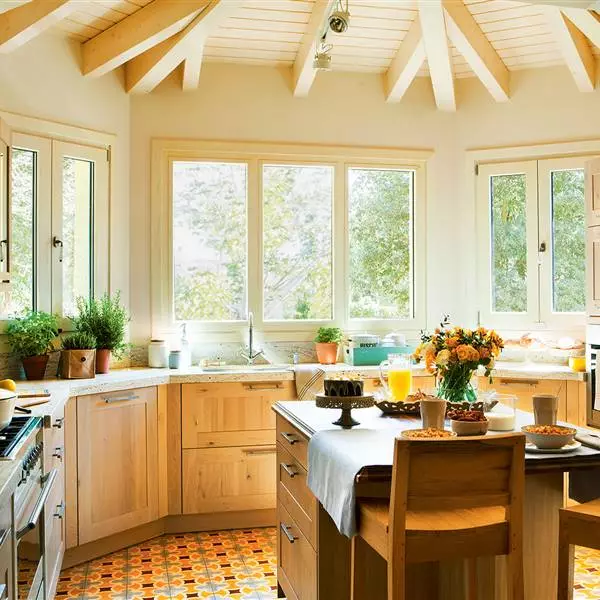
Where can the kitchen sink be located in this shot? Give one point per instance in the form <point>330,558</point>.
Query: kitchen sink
<point>248,368</point>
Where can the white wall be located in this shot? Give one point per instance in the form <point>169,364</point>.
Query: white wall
<point>42,79</point>
<point>255,104</point>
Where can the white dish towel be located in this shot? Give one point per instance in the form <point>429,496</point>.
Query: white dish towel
<point>309,381</point>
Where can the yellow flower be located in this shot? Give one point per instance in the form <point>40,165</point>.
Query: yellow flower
<point>442,358</point>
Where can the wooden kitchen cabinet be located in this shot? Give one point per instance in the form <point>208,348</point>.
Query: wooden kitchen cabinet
<point>117,462</point>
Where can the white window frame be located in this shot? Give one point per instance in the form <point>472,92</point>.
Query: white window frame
<point>255,154</point>
<point>50,140</point>
<point>545,157</point>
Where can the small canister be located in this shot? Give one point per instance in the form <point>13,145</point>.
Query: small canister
<point>175,359</point>
<point>158,354</point>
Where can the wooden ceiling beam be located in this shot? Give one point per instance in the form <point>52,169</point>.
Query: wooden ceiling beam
<point>406,64</point>
<point>137,33</point>
<point>145,72</point>
<point>303,73</point>
<point>471,42</point>
<point>587,21</point>
<point>435,37</point>
<point>21,24</point>
<point>575,50</point>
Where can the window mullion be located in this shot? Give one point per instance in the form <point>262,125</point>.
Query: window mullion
<point>57,229</point>
<point>340,245</point>
<point>255,241</point>
<point>42,222</point>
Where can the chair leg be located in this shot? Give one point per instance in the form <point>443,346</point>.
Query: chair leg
<point>471,578</point>
<point>516,579</point>
<point>566,560</point>
<point>368,580</point>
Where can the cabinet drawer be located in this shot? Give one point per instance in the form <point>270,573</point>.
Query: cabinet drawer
<point>294,494</point>
<point>292,441</point>
<point>296,560</point>
<point>230,414</point>
<point>229,479</point>
<point>55,529</point>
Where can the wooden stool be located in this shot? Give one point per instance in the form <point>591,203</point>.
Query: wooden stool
<point>579,526</point>
<point>451,498</point>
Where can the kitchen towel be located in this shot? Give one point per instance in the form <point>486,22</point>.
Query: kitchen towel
<point>334,459</point>
<point>309,381</point>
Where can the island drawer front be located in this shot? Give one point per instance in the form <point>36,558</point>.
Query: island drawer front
<point>296,559</point>
<point>292,441</point>
<point>217,480</point>
<point>294,494</point>
<point>230,414</point>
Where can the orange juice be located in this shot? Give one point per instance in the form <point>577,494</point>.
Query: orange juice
<point>400,381</point>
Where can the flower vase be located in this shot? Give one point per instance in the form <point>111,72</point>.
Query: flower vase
<point>456,391</point>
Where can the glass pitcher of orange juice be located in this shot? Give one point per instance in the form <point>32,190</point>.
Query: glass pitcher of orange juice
<point>399,379</point>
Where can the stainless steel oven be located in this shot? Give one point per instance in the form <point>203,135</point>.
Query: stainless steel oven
<point>592,356</point>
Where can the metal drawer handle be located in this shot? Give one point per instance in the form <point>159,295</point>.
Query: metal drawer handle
<point>289,438</point>
<point>288,469</point>
<point>288,534</point>
<point>3,592</point>
<point>128,397</point>
<point>58,453</point>
<point>58,423</point>
<point>276,385</point>
<point>265,450</point>
<point>518,381</point>
<point>3,535</point>
<point>39,505</point>
<point>60,510</point>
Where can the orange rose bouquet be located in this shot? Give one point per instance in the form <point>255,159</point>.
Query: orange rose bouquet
<point>453,354</point>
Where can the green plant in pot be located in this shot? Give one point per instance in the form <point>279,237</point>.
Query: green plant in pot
<point>106,319</point>
<point>30,338</point>
<point>78,356</point>
<point>327,344</point>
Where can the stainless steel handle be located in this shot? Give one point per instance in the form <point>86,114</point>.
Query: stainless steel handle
<point>3,592</point>
<point>517,381</point>
<point>289,438</point>
<point>289,471</point>
<point>58,453</point>
<point>265,450</point>
<point>3,535</point>
<point>39,505</point>
<point>288,534</point>
<point>276,385</point>
<point>58,423</point>
<point>60,510</point>
<point>127,398</point>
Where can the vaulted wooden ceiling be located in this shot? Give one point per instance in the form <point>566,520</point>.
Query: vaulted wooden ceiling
<point>402,39</point>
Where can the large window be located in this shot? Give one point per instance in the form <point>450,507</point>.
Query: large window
<point>57,191</point>
<point>532,250</point>
<point>299,239</point>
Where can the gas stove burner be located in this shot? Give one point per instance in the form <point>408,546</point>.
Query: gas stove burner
<point>12,434</point>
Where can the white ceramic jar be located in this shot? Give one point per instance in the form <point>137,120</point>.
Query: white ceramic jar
<point>158,354</point>
<point>8,400</point>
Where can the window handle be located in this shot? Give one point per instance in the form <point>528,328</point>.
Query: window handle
<point>3,245</point>
<point>58,244</point>
<point>542,247</point>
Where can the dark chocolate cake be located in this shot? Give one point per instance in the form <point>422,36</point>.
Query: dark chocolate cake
<point>343,388</point>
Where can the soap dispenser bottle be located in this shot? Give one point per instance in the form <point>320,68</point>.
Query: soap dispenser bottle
<point>186,352</point>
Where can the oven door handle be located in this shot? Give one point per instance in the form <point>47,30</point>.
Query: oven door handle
<point>39,505</point>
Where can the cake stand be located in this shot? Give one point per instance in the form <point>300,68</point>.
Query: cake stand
<point>346,403</point>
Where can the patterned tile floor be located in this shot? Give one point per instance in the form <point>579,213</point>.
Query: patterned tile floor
<point>237,565</point>
<point>215,565</point>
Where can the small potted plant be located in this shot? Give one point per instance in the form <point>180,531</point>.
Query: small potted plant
<point>327,343</point>
<point>30,338</point>
<point>106,320</point>
<point>78,356</point>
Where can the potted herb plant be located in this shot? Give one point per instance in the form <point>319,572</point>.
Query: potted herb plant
<point>78,356</point>
<point>106,319</point>
<point>327,343</point>
<point>30,338</point>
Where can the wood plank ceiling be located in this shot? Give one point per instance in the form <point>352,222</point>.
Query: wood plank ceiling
<point>441,39</point>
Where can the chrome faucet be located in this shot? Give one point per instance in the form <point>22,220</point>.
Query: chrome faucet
<point>248,353</point>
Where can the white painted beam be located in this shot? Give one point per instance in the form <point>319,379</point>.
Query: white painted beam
<point>190,79</point>
<point>146,71</point>
<point>471,42</point>
<point>587,22</point>
<point>435,37</point>
<point>406,64</point>
<point>140,31</point>
<point>303,73</point>
<point>575,50</point>
<point>21,24</point>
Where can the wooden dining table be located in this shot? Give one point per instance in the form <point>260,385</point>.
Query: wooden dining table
<point>546,491</point>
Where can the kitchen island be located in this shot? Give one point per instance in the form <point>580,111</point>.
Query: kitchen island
<point>314,558</point>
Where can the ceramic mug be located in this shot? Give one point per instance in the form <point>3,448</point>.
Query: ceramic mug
<point>433,412</point>
<point>545,409</point>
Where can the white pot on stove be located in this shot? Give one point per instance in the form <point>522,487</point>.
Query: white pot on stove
<point>8,400</point>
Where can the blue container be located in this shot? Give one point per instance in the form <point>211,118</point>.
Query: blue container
<point>363,357</point>
<point>174,359</point>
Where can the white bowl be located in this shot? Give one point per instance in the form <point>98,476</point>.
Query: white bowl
<point>549,441</point>
<point>8,400</point>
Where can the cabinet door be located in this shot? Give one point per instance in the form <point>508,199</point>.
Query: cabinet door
<point>55,533</point>
<point>592,192</point>
<point>593,270</point>
<point>117,450</point>
<point>229,479</point>
<point>231,414</point>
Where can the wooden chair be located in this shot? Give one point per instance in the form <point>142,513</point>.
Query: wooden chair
<point>451,498</point>
<point>578,526</point>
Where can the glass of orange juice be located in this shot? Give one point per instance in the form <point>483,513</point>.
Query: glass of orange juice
<point>399,378</point>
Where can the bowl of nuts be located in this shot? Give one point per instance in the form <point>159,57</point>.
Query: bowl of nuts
<point>549,437</point>
<point>468,422</point>
<point>430,433</point>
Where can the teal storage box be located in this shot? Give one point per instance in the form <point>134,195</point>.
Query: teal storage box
<point>368,357</point>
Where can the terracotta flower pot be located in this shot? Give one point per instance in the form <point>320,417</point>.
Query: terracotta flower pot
<point>35,366</point>
<point>102,360</point>
<point>327,353</point>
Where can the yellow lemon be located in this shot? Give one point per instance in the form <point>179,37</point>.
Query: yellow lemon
<point>8,384</point>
